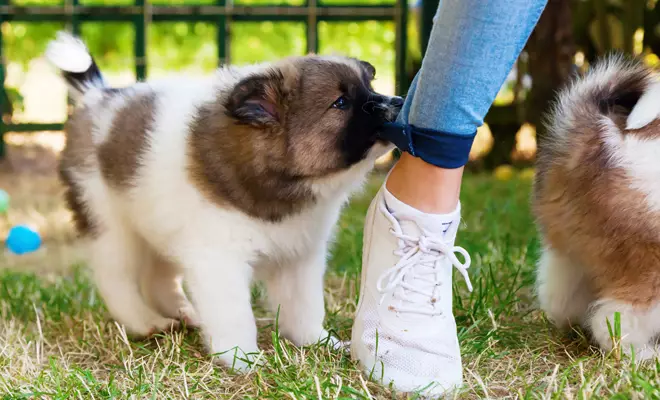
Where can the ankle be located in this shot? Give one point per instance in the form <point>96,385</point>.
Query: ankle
<point>425,187</point>
<point>415,223</point>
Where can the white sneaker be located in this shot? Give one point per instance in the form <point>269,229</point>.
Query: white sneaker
<point>404,331</point>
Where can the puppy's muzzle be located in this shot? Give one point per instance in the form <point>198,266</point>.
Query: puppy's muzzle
<point>393,108</point>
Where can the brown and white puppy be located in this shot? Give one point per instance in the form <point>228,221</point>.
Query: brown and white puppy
<point>215,181</point>
<point>597,203</point>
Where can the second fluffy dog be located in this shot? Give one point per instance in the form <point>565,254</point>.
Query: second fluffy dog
<point>597,202</point>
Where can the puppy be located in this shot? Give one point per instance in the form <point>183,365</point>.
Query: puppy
<point>597,202</point>
<point>217,181</point>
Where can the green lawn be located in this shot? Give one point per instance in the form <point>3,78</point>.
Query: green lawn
<point>57,342</point>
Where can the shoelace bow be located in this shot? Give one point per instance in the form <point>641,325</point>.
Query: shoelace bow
<point>417,268</point>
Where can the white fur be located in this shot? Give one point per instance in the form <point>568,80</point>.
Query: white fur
<point>647,108</point>
<point>561,289</point>
<point>639,156</point>
<point>165,229</point>
<point>68,53</point>
<point>565,298</point>
<point>639,327</point>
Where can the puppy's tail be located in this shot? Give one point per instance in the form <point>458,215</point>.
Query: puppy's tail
<point>606,97</point>
<point>70,55</point>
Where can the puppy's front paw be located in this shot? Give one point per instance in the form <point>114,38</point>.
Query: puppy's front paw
<point>333,341</point>
<point>152,327</point>
<point>189,317</point>
<point>239,361</point>
<point>318,337</point>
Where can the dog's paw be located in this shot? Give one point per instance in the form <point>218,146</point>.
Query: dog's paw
<point>330,340</point>
<point>188,316</point>
<point>239,362</point>
<point>147,329</point>
<point>166,326</point>
<point>343,345</point>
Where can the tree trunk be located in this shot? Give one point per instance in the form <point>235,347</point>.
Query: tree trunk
<point>551,50</point>
<point>651,21</point>
<point>633,19</point>
<point>503,123</point>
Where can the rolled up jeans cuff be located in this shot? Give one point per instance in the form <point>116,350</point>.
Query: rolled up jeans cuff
<point>442,149</point>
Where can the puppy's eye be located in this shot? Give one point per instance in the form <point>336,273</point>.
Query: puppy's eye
<point>341,103</point>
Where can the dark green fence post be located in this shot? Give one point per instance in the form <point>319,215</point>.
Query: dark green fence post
<point>140,46</point>
<point>3,94</point>
<point>74,20</point>
<point>73,25</point>
<point>401,19</point>
<point>312,25</point>
<point>223,35</point>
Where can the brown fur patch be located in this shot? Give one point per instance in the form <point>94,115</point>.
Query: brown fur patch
<point>650,131</point>
<point>319,84</point>
<point>78,155</point>
<point>243,167</point>
<point>119,155</point>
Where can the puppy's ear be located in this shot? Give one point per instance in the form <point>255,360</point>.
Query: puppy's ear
<point>257,100</point>
<point>371,70</point>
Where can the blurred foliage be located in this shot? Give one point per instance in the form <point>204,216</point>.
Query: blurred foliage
<point>177,45</point>
<point>589,28</point>
<point>266,41</point>
<point>372,41</point>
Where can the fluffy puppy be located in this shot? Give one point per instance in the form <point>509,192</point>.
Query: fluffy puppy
<point>217,181</point>
<point>597,203</point>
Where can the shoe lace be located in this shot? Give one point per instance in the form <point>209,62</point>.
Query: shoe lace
<point>417,272</point>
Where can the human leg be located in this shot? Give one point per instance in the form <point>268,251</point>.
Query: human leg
<point>404,330</point>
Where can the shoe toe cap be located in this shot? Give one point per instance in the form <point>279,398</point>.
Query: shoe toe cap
<point>414,372</point>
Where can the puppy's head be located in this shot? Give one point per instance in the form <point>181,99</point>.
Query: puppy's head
<point>312,116</point>
<point>279,136</point>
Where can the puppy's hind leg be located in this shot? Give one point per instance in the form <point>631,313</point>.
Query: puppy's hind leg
<point>162,286</point>
<point>117,257</point>
<point>639,327</point>
<point>562,289</point>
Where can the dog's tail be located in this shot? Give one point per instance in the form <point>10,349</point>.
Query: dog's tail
<point>70,55</point>
<point>606,97</point>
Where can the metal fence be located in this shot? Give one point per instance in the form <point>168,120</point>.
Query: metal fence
<point>222,13</point>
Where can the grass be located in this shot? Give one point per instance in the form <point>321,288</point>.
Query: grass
<point>58,342</point>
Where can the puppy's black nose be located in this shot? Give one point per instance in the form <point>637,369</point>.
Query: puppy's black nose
<point>396,101</point>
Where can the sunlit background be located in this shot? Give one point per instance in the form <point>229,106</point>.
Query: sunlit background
<point>38,95</point>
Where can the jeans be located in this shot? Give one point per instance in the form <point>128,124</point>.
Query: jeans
<point>472,48</point>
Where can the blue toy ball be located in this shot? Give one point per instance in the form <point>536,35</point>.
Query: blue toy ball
<point>23,239</point>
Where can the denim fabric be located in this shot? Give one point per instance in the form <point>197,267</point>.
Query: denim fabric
<point>472,48</point>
